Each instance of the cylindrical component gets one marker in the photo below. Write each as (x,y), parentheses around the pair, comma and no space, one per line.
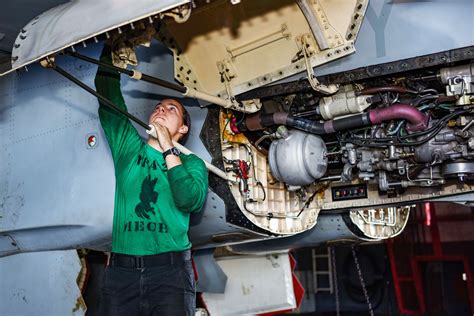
(344,102)
(347,123)
(459,71)
(392,152)
(260,121)
(193,93)
(351,154)
(306,125)
(417,120)
(465,168)
(299,159)
(445,137)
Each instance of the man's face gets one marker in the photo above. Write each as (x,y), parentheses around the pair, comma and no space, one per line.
(170,113)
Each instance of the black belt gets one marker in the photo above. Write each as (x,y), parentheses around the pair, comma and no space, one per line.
(140,262)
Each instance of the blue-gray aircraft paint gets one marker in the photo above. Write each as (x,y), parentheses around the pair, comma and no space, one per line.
(378,23)
(394,30)
(51,183)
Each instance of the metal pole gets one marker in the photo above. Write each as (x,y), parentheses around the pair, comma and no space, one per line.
(186,91)
(218,172)
(131,73)
(99,96)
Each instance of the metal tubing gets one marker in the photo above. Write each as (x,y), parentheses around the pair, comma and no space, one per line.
(99,96)
(131,73)
(218,172)
(193,93)
(418,121)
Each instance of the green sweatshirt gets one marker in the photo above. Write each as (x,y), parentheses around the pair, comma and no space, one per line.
(152,204)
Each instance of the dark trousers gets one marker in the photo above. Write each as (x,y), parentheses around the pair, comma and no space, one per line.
(134,286)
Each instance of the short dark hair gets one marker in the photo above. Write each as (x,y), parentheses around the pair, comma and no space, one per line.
(187,122)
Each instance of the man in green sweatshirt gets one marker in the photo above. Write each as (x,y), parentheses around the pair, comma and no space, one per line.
(150,270)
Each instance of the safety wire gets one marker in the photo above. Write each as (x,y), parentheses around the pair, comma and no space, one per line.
(254,175)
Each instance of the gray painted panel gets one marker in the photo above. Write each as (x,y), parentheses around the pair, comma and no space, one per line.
(394,30)
(56,192)
(212,278)
(330,227)
(40,284)
(76,21)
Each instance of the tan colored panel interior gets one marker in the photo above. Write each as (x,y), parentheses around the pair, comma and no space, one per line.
(253,43)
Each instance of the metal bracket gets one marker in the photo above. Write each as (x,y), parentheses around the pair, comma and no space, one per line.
(307,49)
(357,18)
(47,62)
(314,23)
(274,259)
(227,72)
(179,14)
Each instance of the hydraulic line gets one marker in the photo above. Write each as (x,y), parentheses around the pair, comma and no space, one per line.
(430,132)
(260,121)
(416,120)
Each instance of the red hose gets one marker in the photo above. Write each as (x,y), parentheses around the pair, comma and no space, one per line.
(417,121)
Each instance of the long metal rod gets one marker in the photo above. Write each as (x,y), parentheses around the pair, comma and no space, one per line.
(144,77)
(105,101)
(99,96)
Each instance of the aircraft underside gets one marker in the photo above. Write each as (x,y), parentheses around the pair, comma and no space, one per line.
(377,168)
(374,140)
(363,145)
(320,121)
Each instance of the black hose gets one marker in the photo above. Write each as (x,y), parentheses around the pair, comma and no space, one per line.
(306,125)
(261,121)
(351,122)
